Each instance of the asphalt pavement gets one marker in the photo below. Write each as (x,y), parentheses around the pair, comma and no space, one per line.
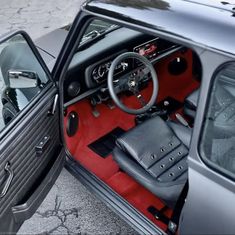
(69,208)
(36,17)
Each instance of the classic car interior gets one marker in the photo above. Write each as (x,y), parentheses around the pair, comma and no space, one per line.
(130,100)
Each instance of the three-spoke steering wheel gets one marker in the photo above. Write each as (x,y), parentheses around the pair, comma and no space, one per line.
(131,82)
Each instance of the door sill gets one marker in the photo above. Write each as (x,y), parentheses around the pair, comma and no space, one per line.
(119,205)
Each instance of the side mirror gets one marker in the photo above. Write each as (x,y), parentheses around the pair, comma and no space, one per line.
(23,75)
(19,65)
(22,79)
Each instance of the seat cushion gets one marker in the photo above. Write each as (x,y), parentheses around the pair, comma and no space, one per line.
(154,155)
(190,104)
(149,142)
(167,192)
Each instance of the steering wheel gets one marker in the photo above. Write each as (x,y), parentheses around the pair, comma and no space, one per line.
(131,82)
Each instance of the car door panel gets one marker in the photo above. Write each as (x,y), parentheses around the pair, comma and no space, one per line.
(32,177)
(210,200)
(209,205)
(28,207)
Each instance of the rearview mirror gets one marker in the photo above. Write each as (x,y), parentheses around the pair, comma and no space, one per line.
(22,79)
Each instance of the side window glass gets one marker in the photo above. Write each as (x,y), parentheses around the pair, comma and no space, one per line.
(21,78)
(218,138)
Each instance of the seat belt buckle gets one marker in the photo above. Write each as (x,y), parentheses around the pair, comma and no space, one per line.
(172,227)
(159,214)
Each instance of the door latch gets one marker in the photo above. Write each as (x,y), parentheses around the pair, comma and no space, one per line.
(9,179)
(53,109)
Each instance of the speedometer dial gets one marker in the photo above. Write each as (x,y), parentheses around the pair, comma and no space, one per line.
(95,74)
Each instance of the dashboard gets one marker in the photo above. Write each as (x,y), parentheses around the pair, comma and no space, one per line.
(97,73)
(88,71)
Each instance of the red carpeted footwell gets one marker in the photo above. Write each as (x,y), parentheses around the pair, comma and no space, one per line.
(92,128)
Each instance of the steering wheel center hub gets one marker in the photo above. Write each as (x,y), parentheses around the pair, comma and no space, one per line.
(132,83)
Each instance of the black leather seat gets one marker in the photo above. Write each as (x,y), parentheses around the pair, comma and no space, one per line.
(190,104)
(155,154)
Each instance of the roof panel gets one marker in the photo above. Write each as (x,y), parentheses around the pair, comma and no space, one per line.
(210,23)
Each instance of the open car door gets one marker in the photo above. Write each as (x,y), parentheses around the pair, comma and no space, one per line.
(31,150)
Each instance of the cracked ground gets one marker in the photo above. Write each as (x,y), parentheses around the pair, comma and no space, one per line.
(70,209)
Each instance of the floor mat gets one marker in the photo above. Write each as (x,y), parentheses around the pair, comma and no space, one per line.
(105,145)
(92,128)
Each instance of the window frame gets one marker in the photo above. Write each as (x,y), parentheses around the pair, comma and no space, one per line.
(50,82)
(213,166)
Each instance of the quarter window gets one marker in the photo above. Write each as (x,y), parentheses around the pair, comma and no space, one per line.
(218,138)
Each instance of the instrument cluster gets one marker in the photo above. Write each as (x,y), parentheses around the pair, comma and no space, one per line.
(97,73)
(100,72)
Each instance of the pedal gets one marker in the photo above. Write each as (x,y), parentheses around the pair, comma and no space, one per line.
(110,105)
(93,103)
(95,112)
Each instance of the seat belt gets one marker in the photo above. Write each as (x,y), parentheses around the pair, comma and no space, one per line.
(174,221)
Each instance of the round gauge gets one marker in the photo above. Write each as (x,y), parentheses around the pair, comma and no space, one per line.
(102,70)
(95,74)
(108,65)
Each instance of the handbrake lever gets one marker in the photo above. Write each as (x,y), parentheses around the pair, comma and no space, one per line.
(182,120)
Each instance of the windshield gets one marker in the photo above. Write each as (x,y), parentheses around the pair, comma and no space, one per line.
(94,30)
(97,28)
